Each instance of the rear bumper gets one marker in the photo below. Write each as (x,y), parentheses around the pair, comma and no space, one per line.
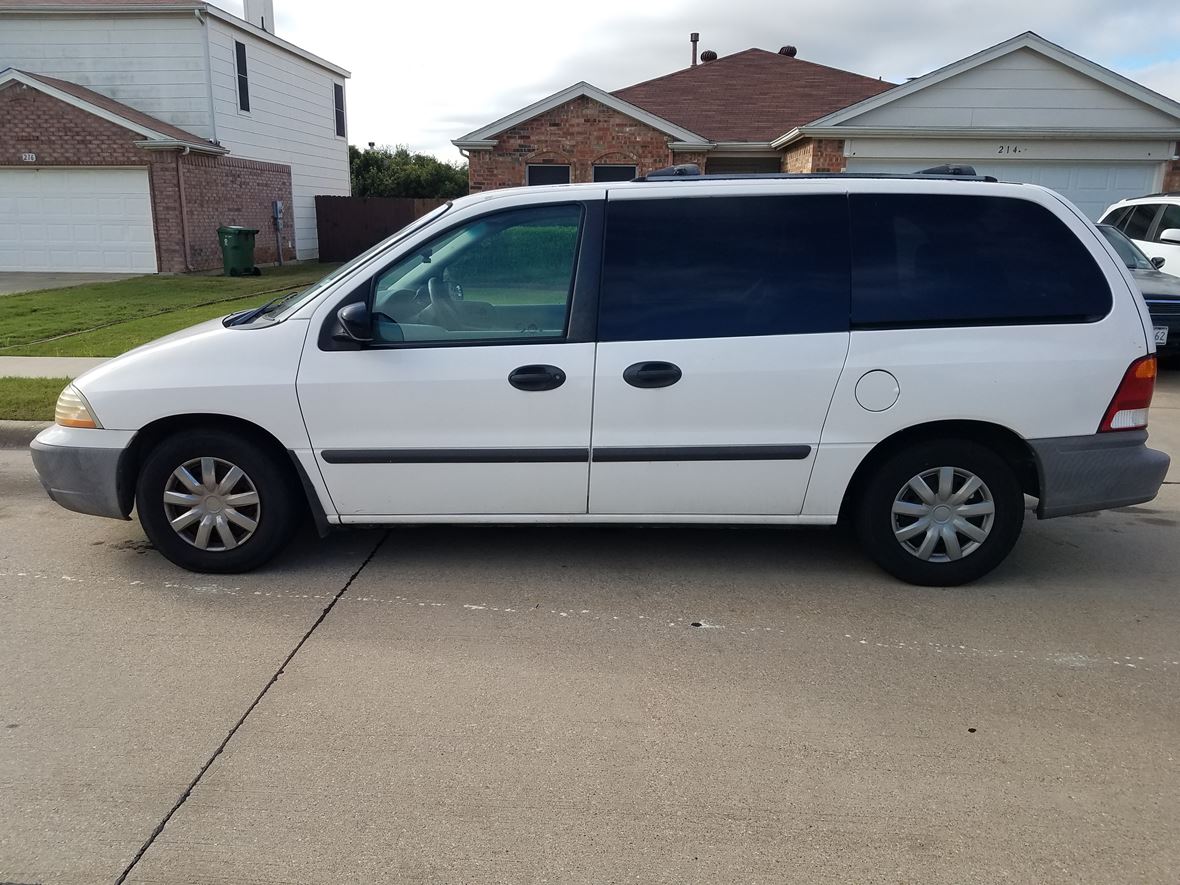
(81,470)
(1083,473)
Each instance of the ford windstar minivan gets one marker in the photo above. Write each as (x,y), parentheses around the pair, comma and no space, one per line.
(912,355)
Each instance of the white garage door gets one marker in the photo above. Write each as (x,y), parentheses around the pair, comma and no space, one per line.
(76,220)
(1092,187)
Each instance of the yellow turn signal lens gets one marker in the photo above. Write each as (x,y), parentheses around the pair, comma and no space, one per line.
(1146,369)
(73,410)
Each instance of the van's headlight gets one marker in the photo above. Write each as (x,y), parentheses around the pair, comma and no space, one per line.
(73,410)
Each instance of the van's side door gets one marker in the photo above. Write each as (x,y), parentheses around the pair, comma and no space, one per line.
(474,396)
(723,328)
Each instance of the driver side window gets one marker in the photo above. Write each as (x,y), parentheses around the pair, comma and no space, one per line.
(505,276)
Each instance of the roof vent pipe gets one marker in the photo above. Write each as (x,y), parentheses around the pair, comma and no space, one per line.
(693,38)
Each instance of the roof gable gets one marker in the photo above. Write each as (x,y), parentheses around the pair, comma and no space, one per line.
(751,96)
(482,139)
(156,133)
(1023,83)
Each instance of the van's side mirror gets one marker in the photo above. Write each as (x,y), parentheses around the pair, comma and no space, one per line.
(1158,262)
(356,323)
(1171,235)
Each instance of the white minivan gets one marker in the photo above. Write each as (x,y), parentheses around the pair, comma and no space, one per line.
(910,354)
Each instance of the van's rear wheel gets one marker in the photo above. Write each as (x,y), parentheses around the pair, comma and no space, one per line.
(941,513)
(215,502)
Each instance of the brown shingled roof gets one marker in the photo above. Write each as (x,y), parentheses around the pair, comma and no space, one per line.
(753,95)
(129,114)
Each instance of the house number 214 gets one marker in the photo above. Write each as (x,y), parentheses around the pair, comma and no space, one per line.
(1010,149)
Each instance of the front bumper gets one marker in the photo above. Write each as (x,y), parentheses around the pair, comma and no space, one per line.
(1097,472)
(82,469)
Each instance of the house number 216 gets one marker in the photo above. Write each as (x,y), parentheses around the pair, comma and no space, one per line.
(28,158)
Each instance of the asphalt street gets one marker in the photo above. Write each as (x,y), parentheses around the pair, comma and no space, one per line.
(589,705)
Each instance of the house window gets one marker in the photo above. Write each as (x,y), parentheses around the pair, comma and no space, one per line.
(547,173)
(614,172)
(338,97)
(243,82)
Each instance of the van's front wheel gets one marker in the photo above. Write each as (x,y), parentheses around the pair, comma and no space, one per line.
(215,502)
(941,513)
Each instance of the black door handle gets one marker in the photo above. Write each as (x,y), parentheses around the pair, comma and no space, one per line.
(536,378)
(652,374)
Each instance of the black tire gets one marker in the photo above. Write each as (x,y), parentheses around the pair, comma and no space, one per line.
(874,517)
(277,511)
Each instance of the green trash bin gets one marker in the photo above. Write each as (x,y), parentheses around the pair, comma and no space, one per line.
(237,250)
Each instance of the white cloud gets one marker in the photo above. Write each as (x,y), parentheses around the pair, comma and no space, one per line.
(424,73)
(1163,78)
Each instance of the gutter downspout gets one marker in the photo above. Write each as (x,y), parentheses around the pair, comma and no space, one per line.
(183,152)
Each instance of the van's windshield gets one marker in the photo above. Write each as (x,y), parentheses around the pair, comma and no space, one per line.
(288,304)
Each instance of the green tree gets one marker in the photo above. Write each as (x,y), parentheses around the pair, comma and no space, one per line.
(396,172)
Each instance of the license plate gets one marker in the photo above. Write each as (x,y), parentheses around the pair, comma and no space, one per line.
(1161,334)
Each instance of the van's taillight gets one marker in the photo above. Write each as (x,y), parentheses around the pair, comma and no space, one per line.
(1128,409)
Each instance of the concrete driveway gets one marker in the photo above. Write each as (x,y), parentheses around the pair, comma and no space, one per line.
(12,282)
(588,705)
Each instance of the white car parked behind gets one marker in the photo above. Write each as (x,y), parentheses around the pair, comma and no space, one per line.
(1153,223)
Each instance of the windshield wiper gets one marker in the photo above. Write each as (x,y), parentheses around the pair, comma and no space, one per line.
(254,313)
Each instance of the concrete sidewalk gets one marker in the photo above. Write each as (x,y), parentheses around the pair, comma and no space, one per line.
(16,282)
(47,366)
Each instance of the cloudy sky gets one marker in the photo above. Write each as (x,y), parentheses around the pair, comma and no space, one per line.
(424,73)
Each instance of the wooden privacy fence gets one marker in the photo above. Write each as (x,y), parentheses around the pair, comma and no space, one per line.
(348,226)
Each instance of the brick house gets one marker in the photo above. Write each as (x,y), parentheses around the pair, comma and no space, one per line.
(1025,110)
(154,193)
(115,157)
(722,114)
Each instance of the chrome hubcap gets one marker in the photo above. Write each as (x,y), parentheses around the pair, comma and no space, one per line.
(212,504)
(943,514)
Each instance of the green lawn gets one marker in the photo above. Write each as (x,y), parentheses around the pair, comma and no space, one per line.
(127,313)
(29,399)
(121,337)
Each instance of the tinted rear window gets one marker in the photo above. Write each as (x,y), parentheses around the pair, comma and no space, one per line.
(1138,221)
(1170,220)
(932,260)
(718,267)
(1117,216)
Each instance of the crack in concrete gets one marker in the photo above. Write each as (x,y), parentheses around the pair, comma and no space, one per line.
(241,721)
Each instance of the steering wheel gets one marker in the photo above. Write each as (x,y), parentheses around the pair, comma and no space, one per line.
(443,309)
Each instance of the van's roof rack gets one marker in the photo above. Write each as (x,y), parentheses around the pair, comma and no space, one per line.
(692,172)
